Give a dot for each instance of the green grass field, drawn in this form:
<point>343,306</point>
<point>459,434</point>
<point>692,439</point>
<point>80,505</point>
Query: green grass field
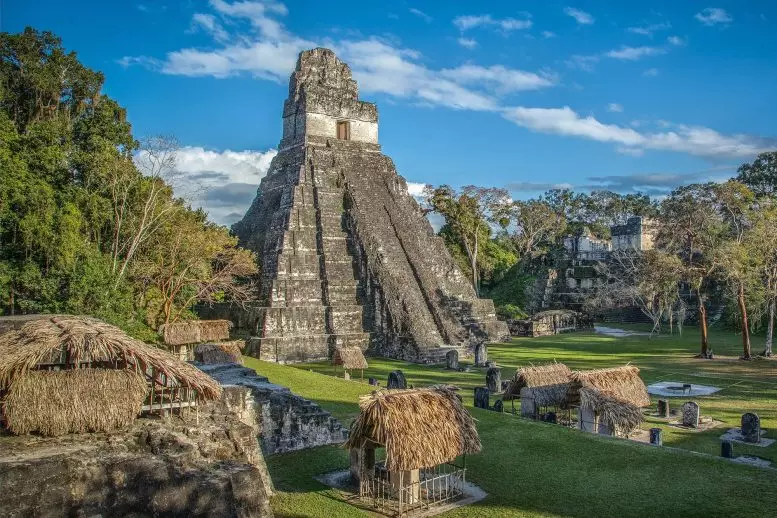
<point>536,469</point>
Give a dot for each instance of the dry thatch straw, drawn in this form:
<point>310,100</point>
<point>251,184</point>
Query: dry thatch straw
<point>225,352</point>
<point>620,383</point>
<point>549,383</point>
<point>615,394</point>
<point>420,428</point>
<point>195,331</point>
<point>618,415</point>
<point>74,401</point>
<point>74,341</point>
<point>349,358</point>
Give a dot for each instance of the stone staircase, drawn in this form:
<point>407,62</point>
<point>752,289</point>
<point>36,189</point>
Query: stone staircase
<point>287,422</point>
<point>308,276</point>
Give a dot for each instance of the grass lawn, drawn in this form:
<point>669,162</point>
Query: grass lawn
<point>535,469</point>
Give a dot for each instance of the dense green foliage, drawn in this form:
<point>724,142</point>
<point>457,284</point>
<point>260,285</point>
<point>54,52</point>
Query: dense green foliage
<point>535,469</point>
<point>82,229</point>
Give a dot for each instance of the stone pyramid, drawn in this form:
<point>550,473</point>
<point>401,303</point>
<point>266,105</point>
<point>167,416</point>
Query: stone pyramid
<point>347,257</point>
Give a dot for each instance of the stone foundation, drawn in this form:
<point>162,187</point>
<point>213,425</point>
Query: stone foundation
<point>172,467</point>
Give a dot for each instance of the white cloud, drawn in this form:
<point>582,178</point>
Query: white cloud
<point>507,24</point>
<point>208,23</point>
<point>415,189</point>
<point>548,34</point>
<point>634,53</point>
<point>580,62</point>
<point>425,17</point>
<point>615,108</point>
<point>650,72</point>
<point>468,43</point>
<point>648,30</point>
<point>713,16</point>
<point>225,182</point>
<point>503,80</point>
<point>580,16</point>
<point>676,41</point>
<point>269,51</point>
<point>699,141</point>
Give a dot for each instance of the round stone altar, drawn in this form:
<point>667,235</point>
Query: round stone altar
<point>680,389</point>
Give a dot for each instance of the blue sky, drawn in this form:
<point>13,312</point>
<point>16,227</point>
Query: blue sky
<point>525,95</point>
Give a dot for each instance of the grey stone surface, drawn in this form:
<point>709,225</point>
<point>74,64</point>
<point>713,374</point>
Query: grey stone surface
<point>482,397</point>
<point>499,406</point>
<point>676,389</point>
<point>751,427</point>
<point>452,360</point>
<point>663,408</point>
<point>691,414</point>
<point>494,380</point>
<point>204,464</point>
<point>727,449</point>
<point>287,421</point>
<point>481,354</point>
<point>735,435</point>
<point>396,380</point>
<point>347,255</point>
<point>656,436</point>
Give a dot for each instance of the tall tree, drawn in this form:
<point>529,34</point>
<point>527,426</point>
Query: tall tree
<point>761,174</point>
<point>467,214</point>
<point>648,280</point>
<point>738,266</point>
<point>534,226</point>
<point>760,243</point>
<point>691,227</point>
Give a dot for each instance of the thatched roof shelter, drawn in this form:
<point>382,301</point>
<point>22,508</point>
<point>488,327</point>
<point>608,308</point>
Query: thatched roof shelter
<point>349,358</point>
<point>74,401</point>
<point>420,428</point>
<point>615,394</point>
<point>224,352</point>
<point>64,374</point>
<point>549,383</point>
<point>68,342</point>
<point>195,331</point>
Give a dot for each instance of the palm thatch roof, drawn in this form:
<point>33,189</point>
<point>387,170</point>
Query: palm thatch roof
<point>70,341</point>
<point>549,383</point>
<point>74,401</point>
<point>349,358</point>
<point>224,352</point>
<point>195,331</point>
<point>615,394</point>
<point>420,428</point>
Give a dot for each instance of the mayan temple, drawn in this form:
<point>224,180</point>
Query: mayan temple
<point>347,257</point>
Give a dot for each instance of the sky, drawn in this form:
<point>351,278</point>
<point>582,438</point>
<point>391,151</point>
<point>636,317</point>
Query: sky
<point>525,95</point>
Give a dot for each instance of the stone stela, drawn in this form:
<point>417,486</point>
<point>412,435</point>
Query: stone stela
<point>348,258</point>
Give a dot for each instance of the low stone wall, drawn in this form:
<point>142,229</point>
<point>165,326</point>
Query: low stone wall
<point>287,421</point>
<point>206,465</point>
<point>551,322</point>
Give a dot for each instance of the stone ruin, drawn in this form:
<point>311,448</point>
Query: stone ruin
<point>197,464</point>
<point>347,256</point>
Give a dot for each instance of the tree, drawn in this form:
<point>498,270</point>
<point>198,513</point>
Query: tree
<point>761,174</point>
<point>467,215</point>
<point>760,244</point>
<point>691,227</point>
<point>194,260</point>
<point>648,280</point>
<point>141,202</point>
<point>534,227</point>
<point>738,267</point>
